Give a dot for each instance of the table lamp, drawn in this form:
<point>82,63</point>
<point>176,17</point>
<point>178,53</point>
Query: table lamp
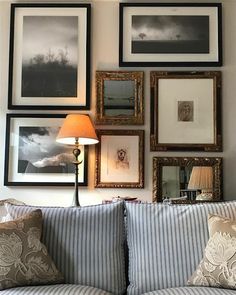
<point>77,130</point>
<point>201,178</point>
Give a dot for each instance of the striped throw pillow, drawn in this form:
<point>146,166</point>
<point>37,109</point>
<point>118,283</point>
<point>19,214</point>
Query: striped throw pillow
<point>86,243</point>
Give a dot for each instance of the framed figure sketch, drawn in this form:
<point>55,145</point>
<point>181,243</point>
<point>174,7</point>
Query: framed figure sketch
<point>186,111</point>
<point>120,159</point>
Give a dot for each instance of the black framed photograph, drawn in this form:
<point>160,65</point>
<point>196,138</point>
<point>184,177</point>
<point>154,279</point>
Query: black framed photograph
<point>120,98</point>
<point>49,61</point>
<point>186,111</point>
<point>34,158</point>
<point>170,34</point>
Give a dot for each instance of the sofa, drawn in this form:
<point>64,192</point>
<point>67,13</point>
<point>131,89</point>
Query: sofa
<point>125,248</point>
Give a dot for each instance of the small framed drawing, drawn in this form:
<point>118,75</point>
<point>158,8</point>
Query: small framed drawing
<point>119,98</point>
<point>120,159</point>
<point>49,65</point>
<point>186,111</point>
<point>170,34</point>
<point>34,158</point>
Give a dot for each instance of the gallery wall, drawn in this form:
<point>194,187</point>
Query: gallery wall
<point>104,56</point>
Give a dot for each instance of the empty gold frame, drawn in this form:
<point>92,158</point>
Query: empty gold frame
<point>171,177</point>
<point>119,98</point>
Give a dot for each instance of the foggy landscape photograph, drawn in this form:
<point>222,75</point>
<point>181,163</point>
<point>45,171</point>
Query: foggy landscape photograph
<point>170,34</point>
<point>119,98</point>
<point>49,58</point>
<point>40,153</point>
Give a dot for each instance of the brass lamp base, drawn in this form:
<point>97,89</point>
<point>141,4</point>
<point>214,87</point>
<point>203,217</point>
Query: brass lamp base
<point>76,153</point>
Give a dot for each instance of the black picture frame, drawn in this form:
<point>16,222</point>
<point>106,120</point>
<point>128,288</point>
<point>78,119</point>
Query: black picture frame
<point>14,172</point>
<point>134,54</point>
<point>69,88</point>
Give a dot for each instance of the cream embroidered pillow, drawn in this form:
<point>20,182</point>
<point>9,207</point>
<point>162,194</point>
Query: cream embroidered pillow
<point>23,258</point>
<point>218,267</point>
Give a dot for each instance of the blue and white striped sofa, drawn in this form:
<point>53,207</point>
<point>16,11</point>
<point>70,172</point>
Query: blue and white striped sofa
<point>165,245</point>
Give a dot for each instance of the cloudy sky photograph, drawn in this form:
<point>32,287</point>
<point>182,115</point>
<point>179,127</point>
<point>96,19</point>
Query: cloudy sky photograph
<point>42,34</point>
<point>38,146</point>
<point>170,27</point>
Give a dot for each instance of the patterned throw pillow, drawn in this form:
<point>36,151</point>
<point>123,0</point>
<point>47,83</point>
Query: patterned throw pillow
<point>218,267</point>
<point>23,258</point>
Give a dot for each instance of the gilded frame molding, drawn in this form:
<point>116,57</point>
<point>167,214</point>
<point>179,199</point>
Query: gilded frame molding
<point>122,119</point>
<point>124,137</point>
<point>156,110</point>
<point>215,162</point>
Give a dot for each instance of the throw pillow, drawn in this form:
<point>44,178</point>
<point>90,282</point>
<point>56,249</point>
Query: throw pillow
<point>218,266</point>
<point>23,258</point>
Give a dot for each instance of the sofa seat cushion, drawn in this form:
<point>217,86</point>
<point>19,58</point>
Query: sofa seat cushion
<point>192,291</point>
<point>166,243</point>
<point>58,289</point>
<point>85,243</point>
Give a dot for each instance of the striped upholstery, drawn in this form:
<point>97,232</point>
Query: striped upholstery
<point>85,243</point>
<point>166,243</point>
<point>193,291</point>
<point>55,290</point>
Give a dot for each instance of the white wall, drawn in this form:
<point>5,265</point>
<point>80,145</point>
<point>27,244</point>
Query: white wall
<point>104,56</point>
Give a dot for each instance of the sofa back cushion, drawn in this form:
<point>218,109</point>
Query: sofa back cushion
<point>85,243</point>
<point>167,242</point>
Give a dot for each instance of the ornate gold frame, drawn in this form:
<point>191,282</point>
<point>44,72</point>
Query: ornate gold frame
<point>130,133</point>
<point>155,145</point>
<point>138,117</point>
<point>159,162</point>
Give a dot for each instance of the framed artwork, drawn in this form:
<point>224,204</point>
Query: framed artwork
<point>49,65</point>
<point>186,111</point>
<point>120,159</point>
<point>119,98</point>
<point>172,177</point>
<point>34,158</point>
<point>170,34</point>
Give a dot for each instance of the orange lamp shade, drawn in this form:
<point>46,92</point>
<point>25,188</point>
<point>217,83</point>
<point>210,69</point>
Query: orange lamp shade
<point>77,127</point>
<point>201,178</point>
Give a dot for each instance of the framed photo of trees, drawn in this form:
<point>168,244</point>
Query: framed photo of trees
<point>49,66</point>
<point>170,34</point>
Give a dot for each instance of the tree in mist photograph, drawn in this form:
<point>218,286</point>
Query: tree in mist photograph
<point>170,34</point>
<point>49,59</point>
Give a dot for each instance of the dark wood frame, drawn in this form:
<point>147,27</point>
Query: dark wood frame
<point>11,104</point>
<point>8,135</point>
<point>138,117</point>
<point>216,163</point>
<point>166,63</point>
<point>140,182</point>
<point>154,142</point>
